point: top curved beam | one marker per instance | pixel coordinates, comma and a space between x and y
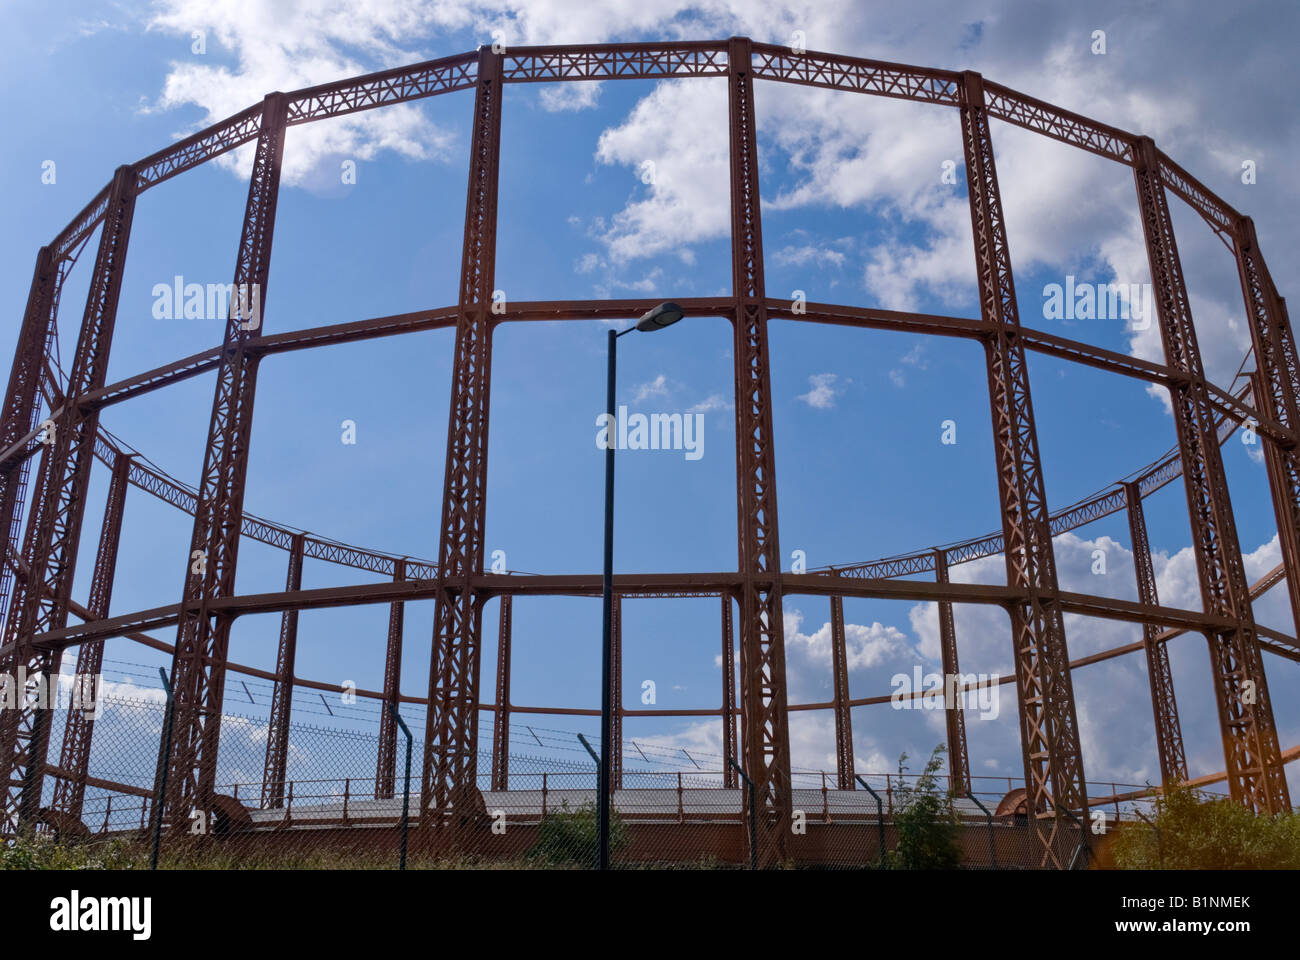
614, 61
653, 61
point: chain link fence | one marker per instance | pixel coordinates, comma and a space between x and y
336, 806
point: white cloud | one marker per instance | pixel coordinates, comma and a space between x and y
688, 200
808, 253
658, 387
709, 404
822, 394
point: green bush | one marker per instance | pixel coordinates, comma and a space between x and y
1190, 832
926, 821
567, 836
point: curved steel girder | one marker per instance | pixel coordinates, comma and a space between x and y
1276, 642
588, 585
1230, 406
653, 61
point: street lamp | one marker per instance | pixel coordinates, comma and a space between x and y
664, 315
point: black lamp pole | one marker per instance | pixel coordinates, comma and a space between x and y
661, 316
607, 630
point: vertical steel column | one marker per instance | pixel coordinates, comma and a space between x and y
40, 601
954, 713
1169, 734
1279, 463
501, 728
386, 764
1277, 389
202, 639
1250, 747
729, 752
843, 715
762, 685
277, 734
1054, 778
22, 405
451, 734
616, 697
74, 758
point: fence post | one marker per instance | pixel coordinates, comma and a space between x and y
1083, 847
160, 777
595, 759
993, 853
406, 789
753, 834
880, 817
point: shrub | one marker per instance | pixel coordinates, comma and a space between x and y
569, 836
1191, 832
926, 822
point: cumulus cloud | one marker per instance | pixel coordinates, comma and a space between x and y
658, 387
823, 392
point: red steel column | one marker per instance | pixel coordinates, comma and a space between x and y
1049, 732
1277, 393
729, 751
616, 697
23, 403
1250, 747
1280, 465
501, 728
762, 683
1169, 733
40, 601
386, 765
843, 715
202, 639
277, 733
954, 713
451, 734
74, 759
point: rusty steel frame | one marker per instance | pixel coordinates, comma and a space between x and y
451, 731
202, 636
730, 716
1164, 705
501, 724
954, 713
277, 730
78, 734
386, 764
41, 598
41, 569
840, 684
1049, 730
617, 711
1251, 751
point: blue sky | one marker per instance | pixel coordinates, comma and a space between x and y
856, 211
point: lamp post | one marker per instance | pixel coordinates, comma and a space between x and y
661, 316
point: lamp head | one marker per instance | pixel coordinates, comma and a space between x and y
664, 315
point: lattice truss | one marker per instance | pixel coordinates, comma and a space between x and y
36, 589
